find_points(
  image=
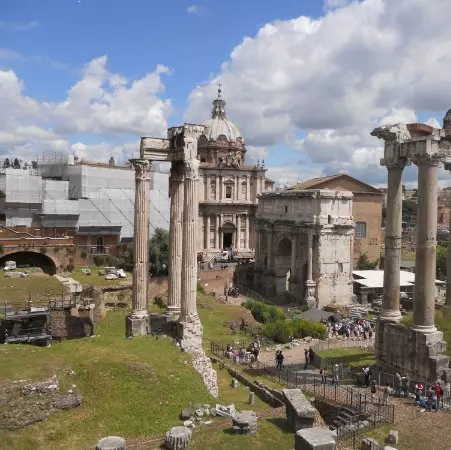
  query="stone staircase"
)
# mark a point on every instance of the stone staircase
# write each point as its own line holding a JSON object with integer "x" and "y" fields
{"x": 347, "y": 418}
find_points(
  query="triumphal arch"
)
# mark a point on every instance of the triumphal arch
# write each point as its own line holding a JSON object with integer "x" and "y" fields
{"x": 419, "y": 350}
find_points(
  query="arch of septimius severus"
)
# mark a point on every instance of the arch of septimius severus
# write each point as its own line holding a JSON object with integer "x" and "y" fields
{"x": 419, "y": 350}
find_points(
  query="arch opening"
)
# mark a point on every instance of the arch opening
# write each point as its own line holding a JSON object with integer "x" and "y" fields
{"x": 283, "y": 265}
{"x": 30, "y": 259}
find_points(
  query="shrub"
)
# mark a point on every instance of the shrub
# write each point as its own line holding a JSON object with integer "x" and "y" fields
{"x": 200, "y": 288}
{"x": 159, "y": 301}
{"x": 264, "y": 313}
{"x": 83, "y": 254}
{"x": 70, "y": 267}
{"x": 99, "y": 260}
{"x": 407, "y": 320}
{"x": 279, "y": 332}
{"x": 304, "y": 328}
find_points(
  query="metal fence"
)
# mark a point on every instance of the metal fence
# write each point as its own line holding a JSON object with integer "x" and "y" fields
{"x": 368, "y": 411}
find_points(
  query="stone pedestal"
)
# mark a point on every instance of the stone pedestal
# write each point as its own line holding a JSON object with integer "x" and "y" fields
{"x": 189, "y": 334}
{"x": 300, "y": 412}
{"x": 177, "y": 438}
{"x": 136, "y": 325}
{"x": 111, "y": 443}
{"x": 319, "y": 438}
{"x": 420, "y": 356}
{"x": 310, "y": 299}
{"x": 244, "y": 422}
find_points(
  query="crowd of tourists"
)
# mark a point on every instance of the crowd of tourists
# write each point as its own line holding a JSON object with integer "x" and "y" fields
{"x": 244, "y": 355}
{"x": 349, "y": 327}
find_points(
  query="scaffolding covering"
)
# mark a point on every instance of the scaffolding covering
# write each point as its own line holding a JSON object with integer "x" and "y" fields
{"x": 20, "y": 186}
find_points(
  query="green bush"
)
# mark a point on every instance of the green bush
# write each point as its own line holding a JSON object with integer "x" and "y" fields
{"x": 304, "y": 328}
{"x": 99, "y": 260}
{"x": 70, "y": 267}
{"x": 83, "y": 254}
{"x": 279, "y": 332}
{"x": 264, "y": 313}
{"x": 200, "y": 288}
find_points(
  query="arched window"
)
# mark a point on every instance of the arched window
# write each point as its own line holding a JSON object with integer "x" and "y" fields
{"x": 100, "y": 247}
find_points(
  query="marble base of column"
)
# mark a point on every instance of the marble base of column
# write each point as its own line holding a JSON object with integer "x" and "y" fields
{"x": 137, "y": 324}
{"x": 424, "y": 328}
{"x": 310, "y": 299}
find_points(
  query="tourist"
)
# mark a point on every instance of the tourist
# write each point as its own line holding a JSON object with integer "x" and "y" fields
{"x": 438, "y": 394}
{"x": 366, "y": 373}
{"x": 405, "y": 386}
{"x": 386, "y": 393}
{"x": 418, "y": 392}
{"x": 335, "y": 375}
{"x": 322, "y": 373}
{"x": 307, "y": 359}
{"x": 398, "y": 384}
{"x": 280, "y": 359}
{"x": 311, "y": 355}
{"x": 373, "y": 390}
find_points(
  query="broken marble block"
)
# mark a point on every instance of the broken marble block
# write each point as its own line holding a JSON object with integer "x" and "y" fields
{"x": 177, "y": 438}
{"x": 300, "y": 412}
{"x": 318, "y": 438}
{"x": 244, "y": 422}
{"x": 225, "y": 411}
{"x": 392, "y": 437}
{"x": 111, "y": 443}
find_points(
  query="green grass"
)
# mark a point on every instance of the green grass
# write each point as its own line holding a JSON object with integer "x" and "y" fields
{"x": 131, "y": 388}
{"x": 37, "y": 285}
{"x": 97, "y": 280}
{"x": 351, "y": 357}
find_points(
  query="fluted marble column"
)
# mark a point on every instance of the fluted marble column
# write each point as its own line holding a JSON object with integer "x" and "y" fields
{"x": 207, "y": 234}
{"x": 310, "y": 284}
{"x": 393, "y": 236}
{"x": 138, "y": 322}
{"x": 189, "y": 251}
{"x": 246, "y": 236}
{"x": 217, "y": 245}
{"x": 425, "y": 262}
{"x": 238, "y": 231}
{"x": 175, "y": 239}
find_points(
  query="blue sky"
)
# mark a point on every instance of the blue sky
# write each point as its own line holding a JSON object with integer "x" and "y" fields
{"x": 305, "y": 81}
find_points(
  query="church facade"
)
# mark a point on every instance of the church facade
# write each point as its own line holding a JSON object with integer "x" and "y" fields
{"x": 228, "y": 187}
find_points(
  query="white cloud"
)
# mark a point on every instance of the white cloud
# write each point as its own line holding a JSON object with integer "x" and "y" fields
{"x": 336, "y": 78}
{"x": 193, "y": 9}
{"x": 100, "y": 103}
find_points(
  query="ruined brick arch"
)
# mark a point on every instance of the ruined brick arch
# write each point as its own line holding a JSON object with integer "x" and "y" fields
{"x": 32, "y": 259}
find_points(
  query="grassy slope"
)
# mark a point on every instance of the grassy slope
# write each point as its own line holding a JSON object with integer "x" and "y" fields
{"x": 16, "y": 290}
{"x": 97, "y": 280}
{"x": 352, "y": 357}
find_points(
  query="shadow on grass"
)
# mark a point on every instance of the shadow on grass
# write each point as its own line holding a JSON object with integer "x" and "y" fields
{"x": 282, "y": 424}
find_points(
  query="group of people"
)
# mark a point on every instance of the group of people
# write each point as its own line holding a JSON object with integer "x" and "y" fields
{"x": 244, "y": 355}
{"x": 309, "y": 354}
{"x": 431, "y": 399}
{"x": 360, "y": 328}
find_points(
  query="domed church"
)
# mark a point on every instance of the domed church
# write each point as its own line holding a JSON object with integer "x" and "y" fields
{"x": 229, "y": 188}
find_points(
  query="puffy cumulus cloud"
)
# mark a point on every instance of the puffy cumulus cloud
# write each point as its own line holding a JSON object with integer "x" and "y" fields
{"x": 101, "y": 103}
{"x": 335, "y": 78}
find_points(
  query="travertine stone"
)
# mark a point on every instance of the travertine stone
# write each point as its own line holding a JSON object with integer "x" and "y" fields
{"x": 318, "y": 438}
{"x": 392, "y": 262}
{"x": 177, "y": 438}
{"x": 245, "y": 422}
{"x": 137, "y": 322}
{"x": 175, "y": 239}
{"x": 425, "y": 257}
{"x": 111, "y": 443}
{"x": 300, "y": 412}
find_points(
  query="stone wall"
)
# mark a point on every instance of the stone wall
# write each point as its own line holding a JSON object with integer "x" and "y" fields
{"x": 72, "y": 323}
{"x": 419, "y": 356}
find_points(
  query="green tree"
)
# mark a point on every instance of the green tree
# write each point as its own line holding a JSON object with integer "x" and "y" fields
{"x": 364, "y": 263}
{"x": 441, "y": 257}
{"x": 409, "y": 210}
{"x": 159, "y": 251}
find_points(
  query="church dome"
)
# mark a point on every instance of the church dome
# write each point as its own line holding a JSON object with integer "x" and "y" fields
{"x": 219, "y": 124}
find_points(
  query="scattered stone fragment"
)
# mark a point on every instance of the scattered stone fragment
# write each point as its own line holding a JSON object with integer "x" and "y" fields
{"x": 186, "y": 414}
{"x": 392, "y": 437}
{"x": 177, "y": 438}
{"x": 315, "y": 438}
{"x": 300, "y": 412}
{"x": 111, "y": 443}
{"x": 244, "y": 422}
{"x": 68, "y": 401}
{"x": 188, "y": 423}
{"x": 225, "y": 411}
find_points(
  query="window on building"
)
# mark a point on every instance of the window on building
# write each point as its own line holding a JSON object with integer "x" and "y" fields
{"x": 100, "y": 245}
{"x": 286, "y": 208}
{"x": 228, "y": 191}
{"x": 340, "y": 267}
{"x": 360, "y": 230}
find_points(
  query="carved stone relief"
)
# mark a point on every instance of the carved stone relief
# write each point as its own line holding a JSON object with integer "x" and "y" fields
{"x": 213, "y": 190}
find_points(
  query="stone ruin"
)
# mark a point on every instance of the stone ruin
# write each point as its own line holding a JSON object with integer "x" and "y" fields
{"x": 416, "y": 351}
{"x": 180, "y": 149}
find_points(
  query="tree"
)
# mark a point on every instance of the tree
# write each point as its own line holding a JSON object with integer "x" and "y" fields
{"x": 441, "y": 257}
{"x": 159, "y": 251}
{"x": 409, "y": 210}
{"x": 364, "y": 263}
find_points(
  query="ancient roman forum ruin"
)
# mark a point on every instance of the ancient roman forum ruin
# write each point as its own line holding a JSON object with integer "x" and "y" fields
{"x": 417, "y": 351}
{"x": 304, "y": 246}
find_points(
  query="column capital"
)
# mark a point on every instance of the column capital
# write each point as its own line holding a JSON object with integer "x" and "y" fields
{"x": 177, "y": 172}
{"x": 142, "y": 168}
{"x": 426, "y": 159}
{"x": 191, "y": 169}
{"x": 400, "y": 164}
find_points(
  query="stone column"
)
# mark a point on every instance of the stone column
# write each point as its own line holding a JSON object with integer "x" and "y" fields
{"x": 175, "y": 239}
{"x": 258, "y": 247}
{"x": 189, "y": 251}
{"x": 217, "y": 245}
{"x": 137, "y": 324}
{"x": 310, "y": 284}
{"x": 238, "y": 231}
{"x": 219, "y": 187}
{"x": 425, "y": 263}
{"x": 293, "y": 256}
{"x": 270, "y": 253}
{"x": 207, "y": 234}
{"x": 246, "y": 236}
{"x": 393, "y": 236}
{"x": 248, "y": 189}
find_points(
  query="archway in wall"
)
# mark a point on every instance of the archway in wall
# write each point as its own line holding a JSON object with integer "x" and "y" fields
{"x": 283, "y": 265}
{"x": 30, "y": 259}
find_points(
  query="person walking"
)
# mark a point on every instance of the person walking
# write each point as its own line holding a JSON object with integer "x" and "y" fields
{"x": 373, "y": 390}
{"x": 438, "y": 395}
{"x": 307, "y": 359}
{"x": 335, "y": 375}
{"x": 280, "y": 359}
{"x": 386, "y": 393}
